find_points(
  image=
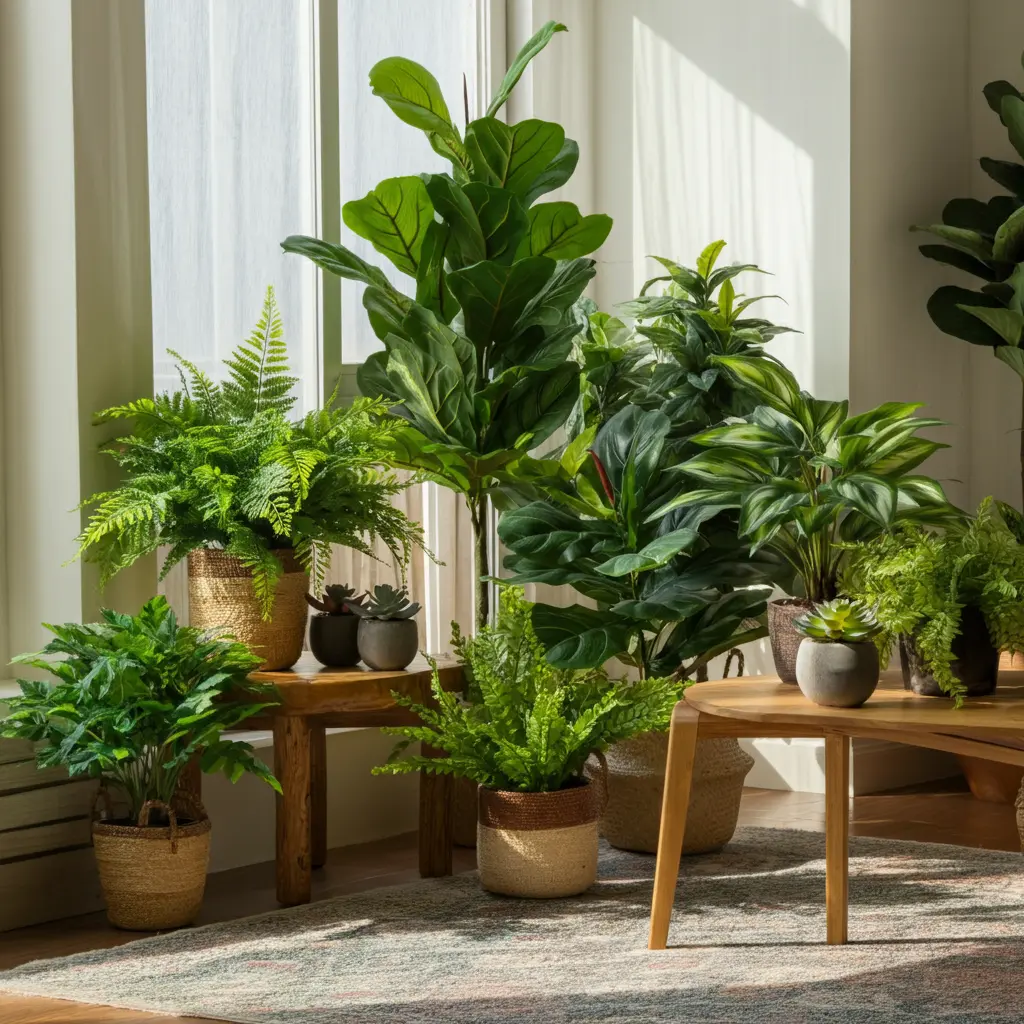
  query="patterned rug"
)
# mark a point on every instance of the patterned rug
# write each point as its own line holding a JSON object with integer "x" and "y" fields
{"x": 936, "y": 936}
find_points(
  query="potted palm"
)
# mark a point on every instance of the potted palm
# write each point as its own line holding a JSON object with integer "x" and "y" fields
{"x": 809, "y": 480}
{"x": 136, "y": 698}
{"x": 220, "y": 475}
{"x": 332, "y": 630}
{"x": 387, "y": 636}
{"x": 837, "y": 664}
{"x": 525, "y": 741}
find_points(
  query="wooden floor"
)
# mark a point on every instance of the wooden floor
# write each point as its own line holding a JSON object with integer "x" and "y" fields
{"x": 938, "y": 813}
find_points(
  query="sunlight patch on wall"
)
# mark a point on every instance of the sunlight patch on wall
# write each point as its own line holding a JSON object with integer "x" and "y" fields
{"x": 833, "y": 14}
{"x": 706, "y": 167}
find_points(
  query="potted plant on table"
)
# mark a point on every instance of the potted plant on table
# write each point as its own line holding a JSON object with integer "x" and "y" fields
{"x": 387, "y": 636}
{"x": 837, "y": 663}
{"x": 136, "y": 698}
{"x": 525, "y": 741}
{"x": 220, "y": 475}
{"x": 332, "y": 631}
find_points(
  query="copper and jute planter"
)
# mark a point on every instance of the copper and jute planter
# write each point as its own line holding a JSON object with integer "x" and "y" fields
{"x": 220, "y": 594}
{"x": 538, "y": 845}
{"x": 785, "y": 639}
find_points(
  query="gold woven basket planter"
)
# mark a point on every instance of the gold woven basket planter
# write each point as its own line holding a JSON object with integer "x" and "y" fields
{"x": 152, "y": 878}
{"x": 538, "y": 845}
{"x": 636, "y": 783}
{"x": 220, "y": 593}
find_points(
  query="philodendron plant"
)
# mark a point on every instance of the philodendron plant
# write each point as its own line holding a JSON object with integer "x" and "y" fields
{"x": 807, "y": 478}
{"x": 477, "y": 362}
{"x": 672, "y": 588}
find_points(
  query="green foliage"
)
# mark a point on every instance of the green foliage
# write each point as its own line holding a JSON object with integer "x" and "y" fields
{"x": 839, "y": 620}
{"x": 672, "y": 589}
{"x": 337, "y": 600}
{"x": 807, "y": 478}
{"x": 532, "y": 726}
{"x": 221, "y": 465}
{"x": 386, "y": 603}
{"x": 135, "y": 698}
{"x": 476, "y": 364}
{"x": 920, "y": 582}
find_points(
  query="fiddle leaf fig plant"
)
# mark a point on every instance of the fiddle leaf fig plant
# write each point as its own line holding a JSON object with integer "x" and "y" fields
{"x": 476, "y": 361}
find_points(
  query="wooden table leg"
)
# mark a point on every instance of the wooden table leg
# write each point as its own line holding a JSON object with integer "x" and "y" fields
{"x": 682, "y": 748}
{"x": 437, "y": 820}
{"x": 837, "y": 834}
{"x": 318, "y": 795}
{"x": 292, "y": 768}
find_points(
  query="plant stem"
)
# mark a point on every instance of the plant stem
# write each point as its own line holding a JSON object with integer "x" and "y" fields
{"x": 481, "y": 588}
{"x": 1022, "y": 444}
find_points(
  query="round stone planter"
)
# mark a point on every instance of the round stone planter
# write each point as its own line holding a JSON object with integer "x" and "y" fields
{"x": 332, "y": 639}
{"x": 785, "y": 639}
{"x": 837, "y": 674}
{"x": 538, "y": 845}
{"x": 387, "y": 645}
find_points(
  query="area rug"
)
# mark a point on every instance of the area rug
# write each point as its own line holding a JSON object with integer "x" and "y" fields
{"x": 936, "y": 936}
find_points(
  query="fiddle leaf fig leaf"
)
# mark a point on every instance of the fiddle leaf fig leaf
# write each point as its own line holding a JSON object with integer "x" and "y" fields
{"x": 1009, "y": 241}
{"x": 960, "y": 238}
{"x": 556, "y": 174}
{"x": 1007, "y": 323}
{"x": 467, "y": 243}
{"x": 502, "y": 220}
{"x": 513, "y": 157}
{"x": 432, "y": 289}
{"x": 561, "y": 232}
{"x": 336, "y": 259}
{"x": 1013, "y": 357}
{"x": 659, "y": 552}
{"x": 533, "y": 46}
{"x": 1011, "y": 110}
{"x": 946, "y": 308}
{"x": 394, "y": 218}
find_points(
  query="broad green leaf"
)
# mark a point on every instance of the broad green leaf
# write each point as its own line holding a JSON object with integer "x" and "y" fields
{"x": 513, "y": 157}
{"x": 533, "y": 46}
{"x": 1013, "y": 357}
{"x": 909, "y": 455}
{"x": 1005, "y": 173}
{"x": 870, "y": 495}
{"x": 750, "y": 436}
{"x": 961, "y": 238}
{"x": 1009, "y": 241}
{"x": 384, "y": 311}
{"x": 995, "y": 91}
{"x": 771, "y": 505}
{"x": 1011, "y": 110}
{"x": 682, "y": 276}
{"x": 945, "y": 307}
{"x": 632, "y": 438}
{"x": 578, "y": 637}
{"x": 373, "y": 380}
{"x": 536, "y": 405}
{"x": 720, "y": 277}
{"x": 559, "y": 294}
{"x": 918, "y": 491}
{"x": 676, "y": 598}
{"x": 454, "y": 207}
{"x": 734, "y": 467}
{"x": 561, "y": 232}
{"x": 659, "y": 552}
{"x": 502, "y": 220}
{"x": 771, "y": 383}
{"x": 708, "y": 257}
{"x": 544, "y": 532}
{"x": 961, "y": 260}
{"x": 412, "y": 92}
{"x": 394, "y": 218}
{"x": 1007, "y": 323}
{"x": 336, "y": 259}
{"x": 975, "y": 215}
{"x": 432, "y": 288}
{"x": 556, "y": 174}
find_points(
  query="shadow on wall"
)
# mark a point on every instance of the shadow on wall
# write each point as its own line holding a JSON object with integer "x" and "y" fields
{"x": 741, "y": 130}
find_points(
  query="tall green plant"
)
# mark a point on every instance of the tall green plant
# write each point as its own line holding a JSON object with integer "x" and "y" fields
{"x": 807, "y": 478}
{"x": 222, "y": 465}
{"x": 476, "y": 365}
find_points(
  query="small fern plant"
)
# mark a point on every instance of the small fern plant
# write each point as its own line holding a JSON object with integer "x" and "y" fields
{"x": 223, "y": 465}
{"x": 533, "y": 726}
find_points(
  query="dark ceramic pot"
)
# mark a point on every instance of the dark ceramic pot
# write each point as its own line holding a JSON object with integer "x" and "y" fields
{"x": 976, "y": 660}
{"x": 332, "y": 639}
{"x": 388, "y": 645}
{"x": 783, "y": 634}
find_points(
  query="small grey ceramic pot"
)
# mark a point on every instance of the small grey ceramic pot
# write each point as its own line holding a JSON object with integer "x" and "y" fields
{"x": 837, "y": 674}
{"x": 332, "y": 639}
{"x": 387, "y": 645}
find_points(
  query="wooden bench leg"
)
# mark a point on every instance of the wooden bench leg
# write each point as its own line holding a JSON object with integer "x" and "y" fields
{"x": 682, "y": 748}
{"x": 292, "y": 757}
{"x": 318, "y": 795}
{"x": 437, "y": 821}
{"x": 837, "y": 835}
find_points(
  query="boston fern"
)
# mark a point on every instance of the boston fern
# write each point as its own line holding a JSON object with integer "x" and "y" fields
{"x": 531, "y": 726}
{"x": 476, "y": 364}
{"x": 223, "y": 465}
{"x": 135, "y": 698}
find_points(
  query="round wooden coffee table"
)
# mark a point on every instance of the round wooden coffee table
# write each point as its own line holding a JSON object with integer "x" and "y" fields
{"x": 765, "y": 707}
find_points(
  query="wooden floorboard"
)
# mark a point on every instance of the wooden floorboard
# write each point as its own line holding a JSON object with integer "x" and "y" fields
{"x": 937, "y": 813}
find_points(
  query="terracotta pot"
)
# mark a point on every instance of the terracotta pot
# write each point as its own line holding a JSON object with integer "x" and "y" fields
{"x": 784, "y": 637}
{"x": 332, "y": 639}
{"x": 220, "y": 594}
{"x": 991, "y": 781}
{"x": 976, "y": 660}
{"x": 538, "y": 845}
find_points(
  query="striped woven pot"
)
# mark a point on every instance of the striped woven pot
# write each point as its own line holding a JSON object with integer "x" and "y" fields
{"x": 220, "y": 593}
{"x": 538, "y": 845}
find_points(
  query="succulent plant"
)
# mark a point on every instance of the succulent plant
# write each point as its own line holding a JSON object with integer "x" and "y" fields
{"x": 386, "y": 603}
{"x": 337, "y": 600}
{"x": 839, "y": 620}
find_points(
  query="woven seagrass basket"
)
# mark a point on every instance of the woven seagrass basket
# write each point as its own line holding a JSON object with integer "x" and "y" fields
{"x": 636, "y": 783}
{"x": 220, "y": 593}
{"x": 1020, "y": 815}
{"x": 785, "y": 639}
{"x": 538, "y": 845}
{"x": 153, "y": 878}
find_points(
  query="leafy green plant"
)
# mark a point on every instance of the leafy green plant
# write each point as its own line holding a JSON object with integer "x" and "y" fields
{"x": 476, "y": 366}
{"x": 534, "y": 726}
{"x": 920, "y": 581}
{"x": 808, "y": 478}
{"x": 222, "y": 465}
{"x": 986, "y": 240}
{"x": 337, "y": 600}
{"x": 135, "y": 698}
{"x": 386, "y": 603}
{"x": 672, "y": 589}
{"x": 839, "y": 620}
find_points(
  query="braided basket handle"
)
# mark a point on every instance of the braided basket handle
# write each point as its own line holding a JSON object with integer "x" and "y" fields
{"x": 171, "y": 817}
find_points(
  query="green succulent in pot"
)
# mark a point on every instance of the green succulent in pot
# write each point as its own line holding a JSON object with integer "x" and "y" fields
{"x": 840, "y": 620}
{"x": 333, "y": 630}
{"x": 387, "y": 637}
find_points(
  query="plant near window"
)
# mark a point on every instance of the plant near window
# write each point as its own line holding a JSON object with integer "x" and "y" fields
{"x": 137, "y": 697}
{"x": 986, "y": 240}
{"x": 385, "y": 604}
{"x": 673, "y": 588}
{"x": 223, "y": 466}
{"x": 922, "y": 584}
{"x": 388, "y": 637}
{"x": 333, "y": 630}
{"x": 476, "y": 367}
